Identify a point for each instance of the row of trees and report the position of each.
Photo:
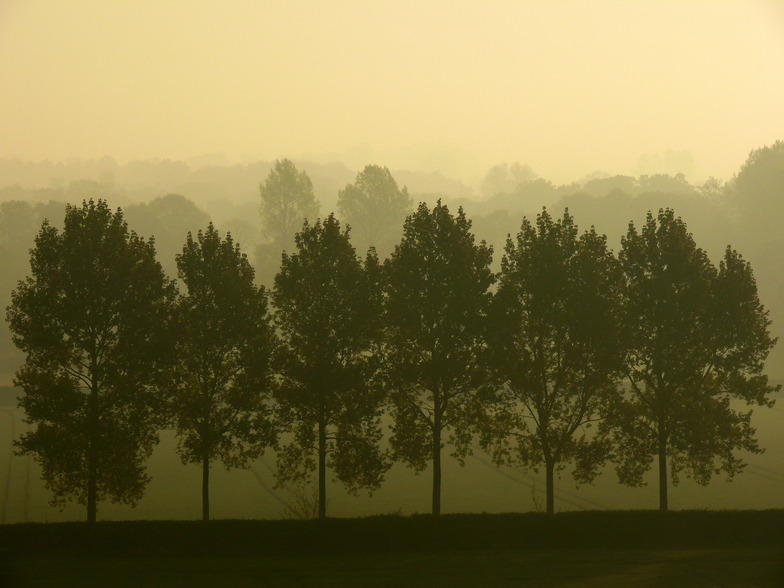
(655, 346)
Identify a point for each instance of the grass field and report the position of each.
(694, 548)
(583, 567)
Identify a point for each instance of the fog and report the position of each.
(177, 111)
(567, 87)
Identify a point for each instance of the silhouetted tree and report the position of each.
(554, 346)
(220, 395)
(437, 282)
(757, 192)
(697, 342)
(91, 319)
(374, 207)
(327, 310)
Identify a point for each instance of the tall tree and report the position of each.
(220, 395)
(697, 342)
(374, 207)
(437, 282)
(327, 311)
(286, 201)
(757, 192)
(554, 347)
(91, 319)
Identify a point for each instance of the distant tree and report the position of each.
(167, 218)
(697, 342)
(712, 189)
(220, 394)
(505, 179)
(554, 346)
(91, 319)
(437, 282)
(286, 201)
(536, 191)
(757, 192)
(374, 207)
(665, 184)
(603, 186)
(327, 311)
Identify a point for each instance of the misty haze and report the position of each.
(392, 263)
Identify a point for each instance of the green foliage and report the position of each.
(374, 207)
(327, 311)
(697, 340)
(91, 320)
(220, 393)
(554, 347)
(437, 282)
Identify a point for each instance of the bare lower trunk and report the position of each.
(437, 470)
(550, 468)
(92, 489)
(205, 488)
(662, 472)
(322, 472)
(92, 458)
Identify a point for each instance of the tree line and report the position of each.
(569, 356)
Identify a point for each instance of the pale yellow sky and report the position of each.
(566, 87)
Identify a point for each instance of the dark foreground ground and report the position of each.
(702, 548)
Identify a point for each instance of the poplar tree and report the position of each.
(554, 348)
(697, 340)
(92, 320)
(327, 308)
(437, 282)
(220, 394)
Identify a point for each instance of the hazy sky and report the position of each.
(566, 87)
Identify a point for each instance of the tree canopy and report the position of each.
(91, 318)
(374, 207)
(758, 192)
(286, 201)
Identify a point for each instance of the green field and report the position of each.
(692, 548)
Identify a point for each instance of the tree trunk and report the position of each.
(662, 470)
(550, 468)
(437, 466)
(92, 487)
(92, 458)
(205, 488)
(322, 472)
